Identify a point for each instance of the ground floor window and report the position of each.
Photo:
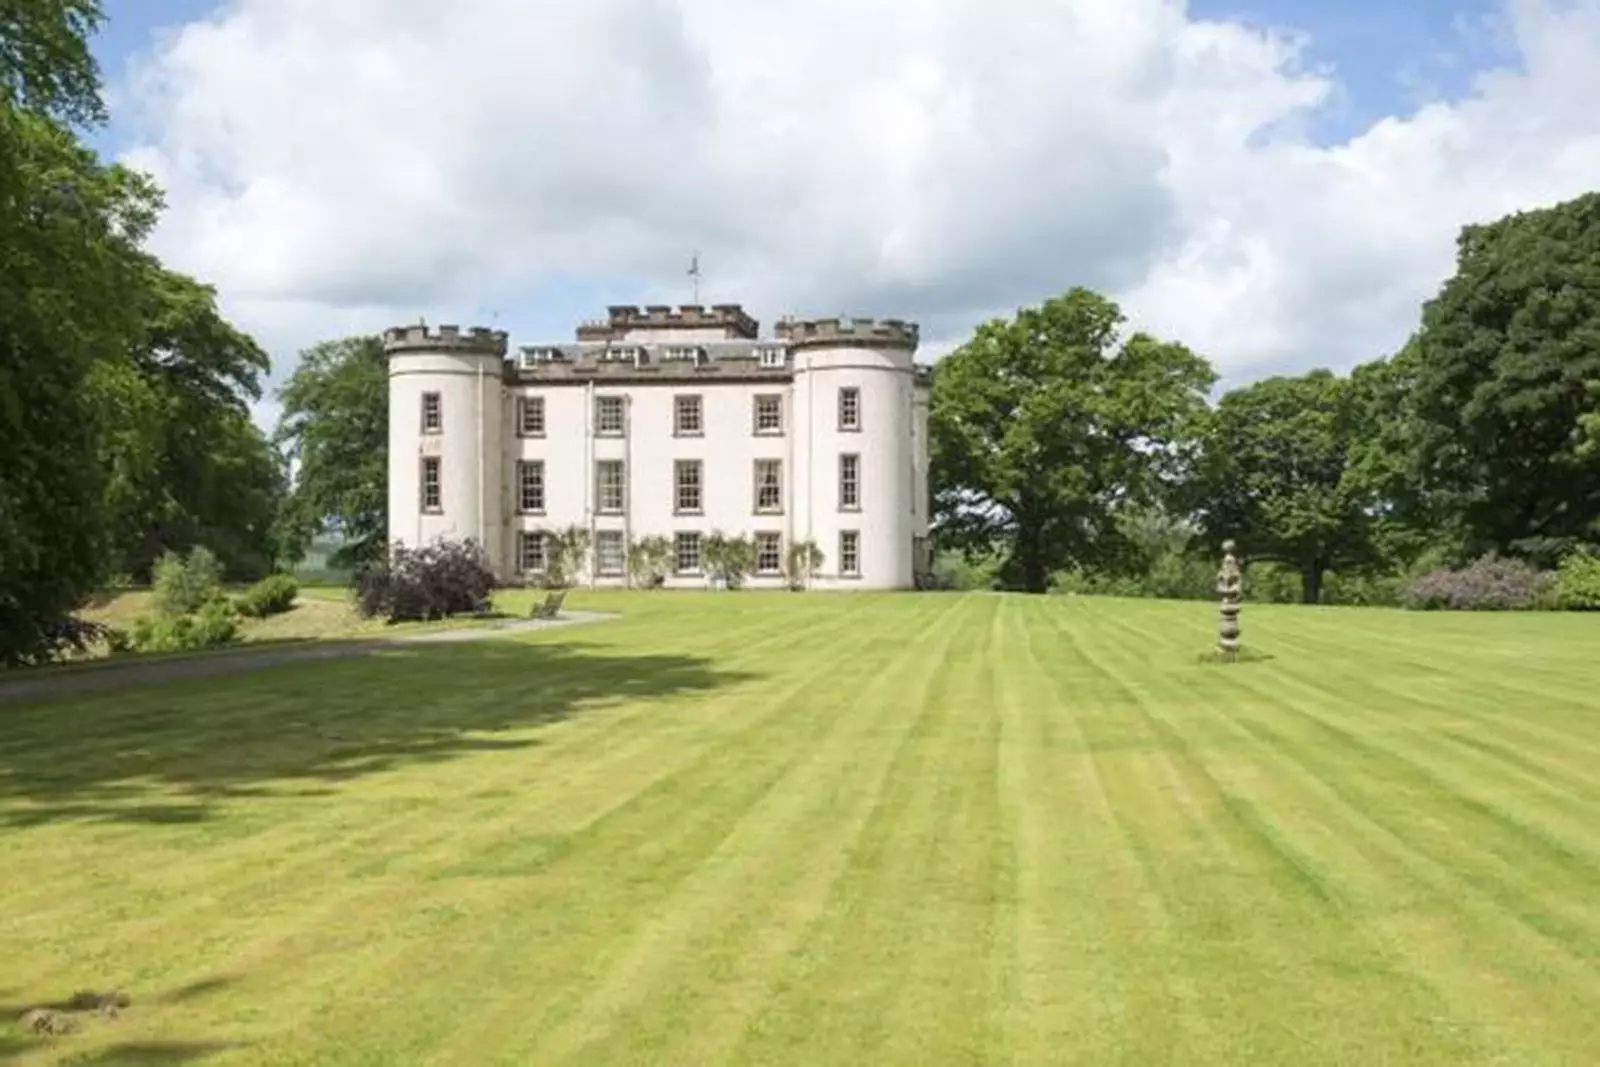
(688, 553)
(609, 557)
(432, 497)
(769, 553)
(531, 552)
(850, 553)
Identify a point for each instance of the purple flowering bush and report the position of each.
(432, 582)
(1486, 584)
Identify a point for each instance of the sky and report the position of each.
(1276, 183)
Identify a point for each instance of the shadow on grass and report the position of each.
(169, 754)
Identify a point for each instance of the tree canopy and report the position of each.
(1277, 475)
(1042, 424)
(1506, 395)
(335, 428)
(123, 391)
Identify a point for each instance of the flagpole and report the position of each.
(694, 272)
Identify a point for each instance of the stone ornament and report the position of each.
(1230, 586)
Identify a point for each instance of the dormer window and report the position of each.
(686, 354)
(534, 356)
(772, 356)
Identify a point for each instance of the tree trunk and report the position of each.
(1311, 582)
(1034, 567)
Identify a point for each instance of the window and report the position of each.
(609, 483)
(530, 416)
(769, 553)
(432, 413)
(531, 557)
(769, 485)
(609, 558)
(850, 553)
(772, 356)
(849, 482)
(530, 485)
(686, 420)
(432, 498)
(608, 415)
(688, 496)
(769, 414)
(850, 408)
(687, 550)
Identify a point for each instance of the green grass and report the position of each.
(779, 829)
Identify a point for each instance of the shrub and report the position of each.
(272, 595)
(729, 558)
(649, 560)
(804, 560)
(61, 639)
(1364, 590)
(1486, 584)
(1172, 576)
(214, 625)
(1576, 586)
(184, 585)
(954, 569)
(1271, 583)
(433, 582)
(565, 553)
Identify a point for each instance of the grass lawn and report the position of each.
(830, 830)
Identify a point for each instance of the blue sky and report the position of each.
(1388, 56)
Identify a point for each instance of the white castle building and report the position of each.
(672, 422)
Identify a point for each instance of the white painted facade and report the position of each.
(641, 409)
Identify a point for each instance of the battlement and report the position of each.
(731, 319)
(479, 339)
(877, 333)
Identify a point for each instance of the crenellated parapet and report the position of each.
(479, 340)
(622, 319)
(851, 332)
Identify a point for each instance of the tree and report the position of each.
(1042, 424)
(1507, 362)
(188, 465)
(69, 282)
(335, 428)
(46, 66)
(1277, 475)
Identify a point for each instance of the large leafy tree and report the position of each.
(189, 467)
(1044, 425)
(335, 429)
(106, 359)
(69, 283)
(1507, 382)
(1280, 473)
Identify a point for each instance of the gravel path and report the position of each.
(88, 679)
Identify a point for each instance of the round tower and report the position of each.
(855, 454)
(445, 390)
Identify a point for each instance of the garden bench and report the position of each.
(551, 608)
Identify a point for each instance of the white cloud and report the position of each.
(347, 164)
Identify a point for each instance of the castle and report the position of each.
(672, 422)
